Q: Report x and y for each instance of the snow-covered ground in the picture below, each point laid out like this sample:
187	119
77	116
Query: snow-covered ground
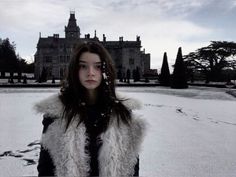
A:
191	133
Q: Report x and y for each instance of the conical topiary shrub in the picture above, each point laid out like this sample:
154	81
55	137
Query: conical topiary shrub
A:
179	77
164	78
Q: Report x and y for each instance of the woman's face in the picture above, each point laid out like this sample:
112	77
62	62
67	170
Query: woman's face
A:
90	74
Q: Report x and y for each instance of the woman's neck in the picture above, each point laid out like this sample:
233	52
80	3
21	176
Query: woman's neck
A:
91	96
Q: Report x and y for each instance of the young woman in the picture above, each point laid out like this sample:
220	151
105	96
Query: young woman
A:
88	129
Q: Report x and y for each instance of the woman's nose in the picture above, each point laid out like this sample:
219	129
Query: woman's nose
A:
91	70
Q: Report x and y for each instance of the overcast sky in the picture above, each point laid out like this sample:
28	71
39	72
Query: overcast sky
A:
163	25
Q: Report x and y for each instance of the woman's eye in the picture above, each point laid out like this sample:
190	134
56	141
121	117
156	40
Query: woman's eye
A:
98	66
82	66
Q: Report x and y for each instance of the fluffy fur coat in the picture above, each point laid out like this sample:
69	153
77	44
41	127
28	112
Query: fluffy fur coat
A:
117	155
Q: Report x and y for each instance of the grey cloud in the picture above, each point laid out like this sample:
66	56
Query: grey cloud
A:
216	14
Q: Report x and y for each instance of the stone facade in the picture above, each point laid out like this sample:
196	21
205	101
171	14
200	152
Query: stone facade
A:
53	53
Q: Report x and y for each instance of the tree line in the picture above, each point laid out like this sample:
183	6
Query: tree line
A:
215	62
10	62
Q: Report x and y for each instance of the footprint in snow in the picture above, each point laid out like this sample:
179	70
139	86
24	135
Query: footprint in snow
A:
35	146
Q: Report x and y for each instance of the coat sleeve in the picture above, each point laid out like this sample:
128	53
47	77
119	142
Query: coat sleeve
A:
136	168
45	164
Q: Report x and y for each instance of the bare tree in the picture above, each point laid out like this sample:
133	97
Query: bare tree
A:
211	60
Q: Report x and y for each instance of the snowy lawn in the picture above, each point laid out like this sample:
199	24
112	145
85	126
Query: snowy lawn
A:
191	132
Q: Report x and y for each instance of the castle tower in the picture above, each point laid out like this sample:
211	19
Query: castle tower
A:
72	30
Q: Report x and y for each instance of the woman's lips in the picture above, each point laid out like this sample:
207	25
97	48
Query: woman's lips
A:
91	81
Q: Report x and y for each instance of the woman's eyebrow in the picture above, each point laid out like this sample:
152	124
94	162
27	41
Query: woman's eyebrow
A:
82	61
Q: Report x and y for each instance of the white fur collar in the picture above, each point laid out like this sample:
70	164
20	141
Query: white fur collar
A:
53	105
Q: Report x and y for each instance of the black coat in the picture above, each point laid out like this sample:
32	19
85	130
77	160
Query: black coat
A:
45	164
68	153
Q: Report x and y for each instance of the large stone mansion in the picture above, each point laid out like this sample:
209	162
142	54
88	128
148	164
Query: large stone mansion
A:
53	53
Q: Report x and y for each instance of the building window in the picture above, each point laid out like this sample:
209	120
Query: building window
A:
131	61
68	58
48	59
61	72
49	71
61	59
131	51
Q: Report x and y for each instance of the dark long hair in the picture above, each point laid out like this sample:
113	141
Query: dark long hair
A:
73	93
